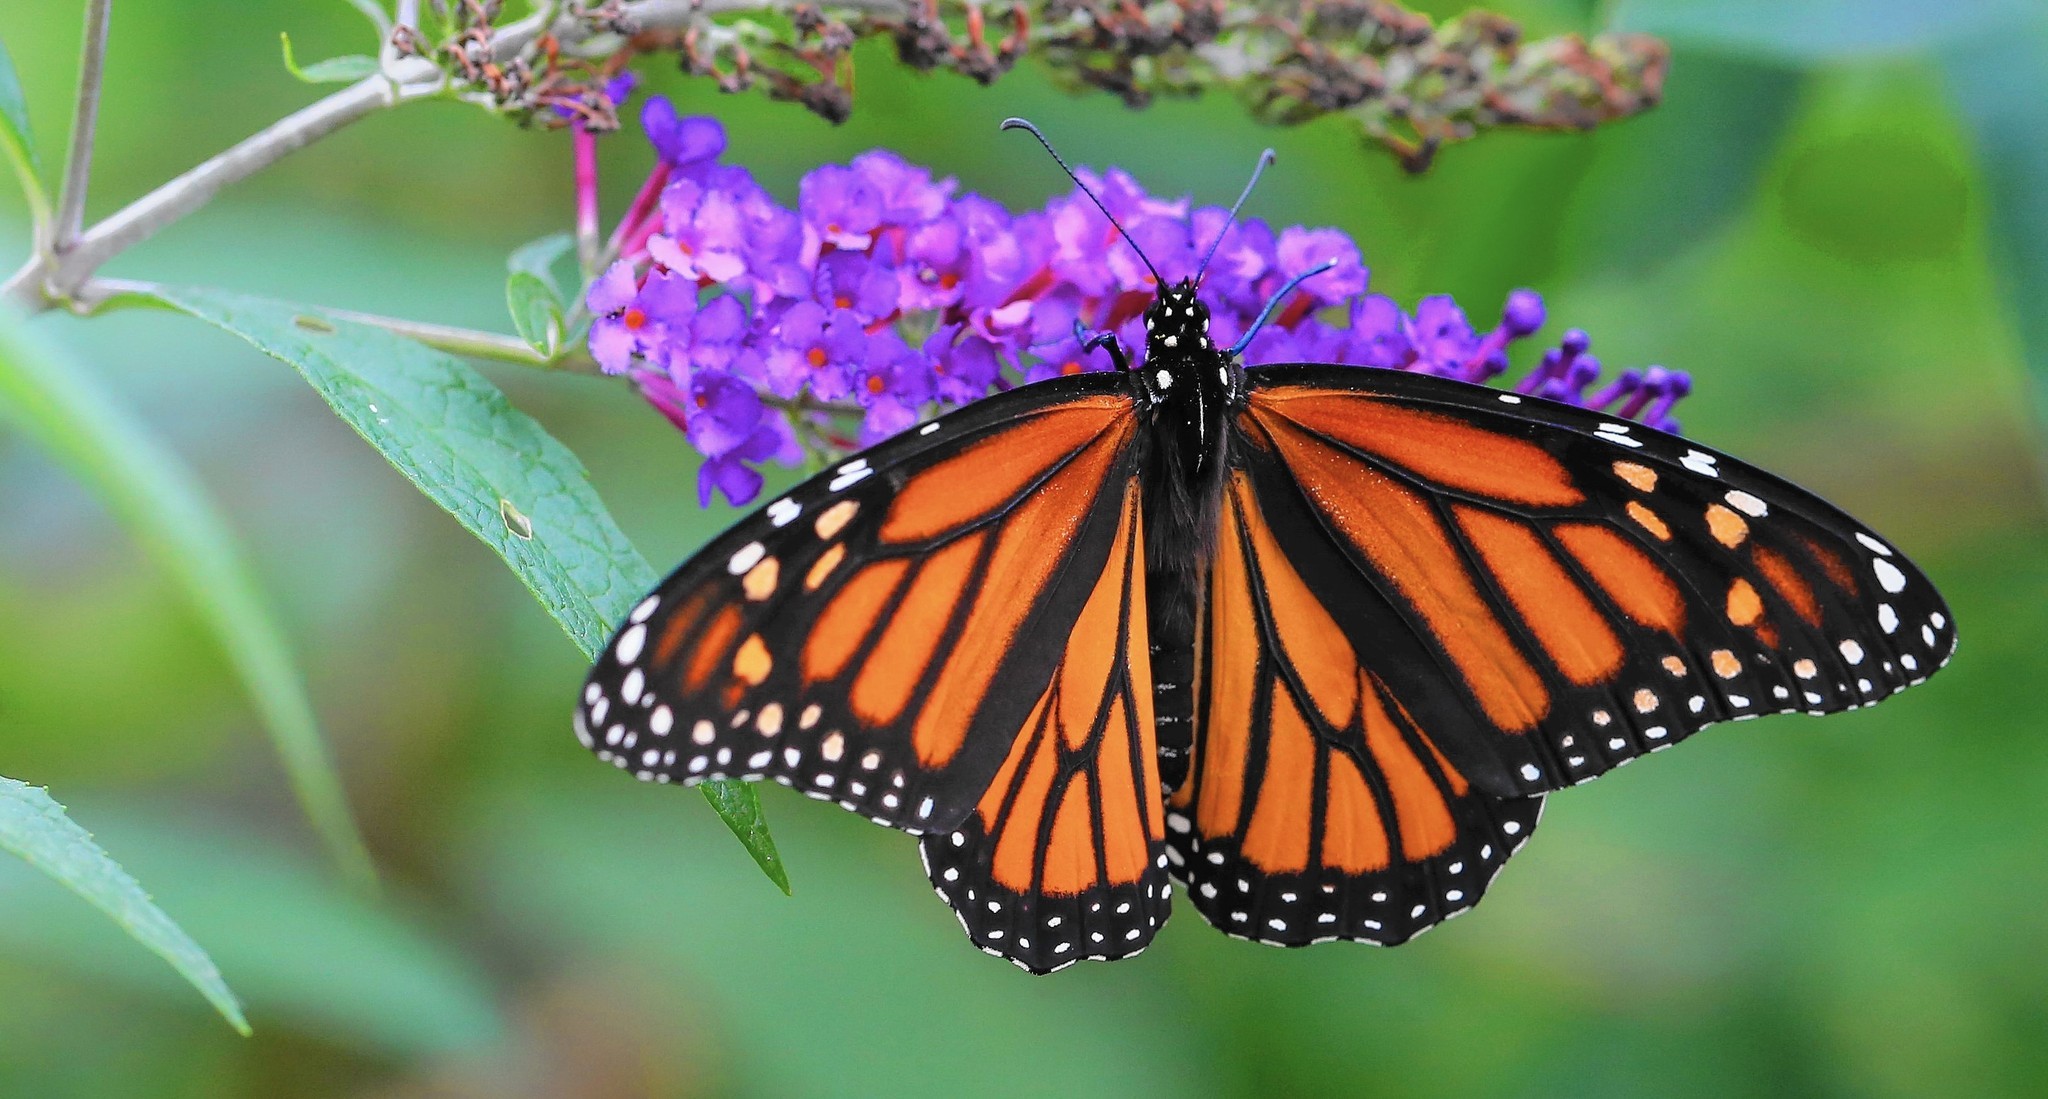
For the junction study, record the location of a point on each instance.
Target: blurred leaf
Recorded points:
(1679, 174)
(157, 497)
(1817, 30)
(19, 141)
(1996, 81)
(457, 438)
(536, 312)
(534, 295)
(34, 826)
(364, 973)
(538, 258)
(334, 70)
(375, 13)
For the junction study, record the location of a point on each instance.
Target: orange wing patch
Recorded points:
(1032, 542)
(1395, 530)
(981, 479)
(1570, 628)
(1097, 702)
(1438, 448)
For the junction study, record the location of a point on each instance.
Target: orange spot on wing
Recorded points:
(711, 648)
(1394, 529)
(759, 582)
(1831, 564)
(1277, 839)
(845, 623)
(1648, 520)
(1636, 584)
(1744, 607)
(1445, 449)
(823, 566)
(679, 626)
(751, 664)
(1785, 579)
(1728, 528)
(903, 653)
(834, 519)
(1566, 623)
(1640, 477)
(993, 471)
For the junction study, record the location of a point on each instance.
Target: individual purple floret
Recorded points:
(886, 296)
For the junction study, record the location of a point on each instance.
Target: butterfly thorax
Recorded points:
(1190, 388)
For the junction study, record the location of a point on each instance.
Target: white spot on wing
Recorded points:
(1888, 575)
(783, 512)
(748, 556)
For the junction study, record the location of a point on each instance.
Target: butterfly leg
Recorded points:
(1101, 339)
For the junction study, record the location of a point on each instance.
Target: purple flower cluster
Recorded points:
(769, 333)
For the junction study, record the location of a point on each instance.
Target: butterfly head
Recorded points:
(1176, 325)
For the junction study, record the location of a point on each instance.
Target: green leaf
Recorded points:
(34, 826)
(538, 258)
(379, 975)
(1995, 81)
(19, 142)
(536, 312)
(534, 295)
(457, 438)
(1818, 30)
(334, 70)
(52, 401)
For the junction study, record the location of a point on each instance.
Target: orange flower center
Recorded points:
(875, 383)
(635, 318)
(816, 356)
(1071, 366)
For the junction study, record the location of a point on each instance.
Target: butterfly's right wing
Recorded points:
(1317, 806)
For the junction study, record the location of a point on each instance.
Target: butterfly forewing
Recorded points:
(1569, 591)
(875, 637)
(1317, 806)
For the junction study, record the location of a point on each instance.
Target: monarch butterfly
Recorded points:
(1314, 640)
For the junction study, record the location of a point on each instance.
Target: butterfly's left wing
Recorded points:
(1555, 592)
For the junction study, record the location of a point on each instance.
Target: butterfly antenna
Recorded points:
(1026, 126)
(1273, 303)
(1265, 162)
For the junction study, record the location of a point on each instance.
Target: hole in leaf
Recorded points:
(514, 520)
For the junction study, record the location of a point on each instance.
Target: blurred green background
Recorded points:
(1848, 907)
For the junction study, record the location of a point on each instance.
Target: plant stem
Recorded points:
(45, 281)
(107, 294)
(92, 66)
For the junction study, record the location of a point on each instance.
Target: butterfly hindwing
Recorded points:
(871, 637)
(1317, 806)
(1063, 856)
(1570, 590)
